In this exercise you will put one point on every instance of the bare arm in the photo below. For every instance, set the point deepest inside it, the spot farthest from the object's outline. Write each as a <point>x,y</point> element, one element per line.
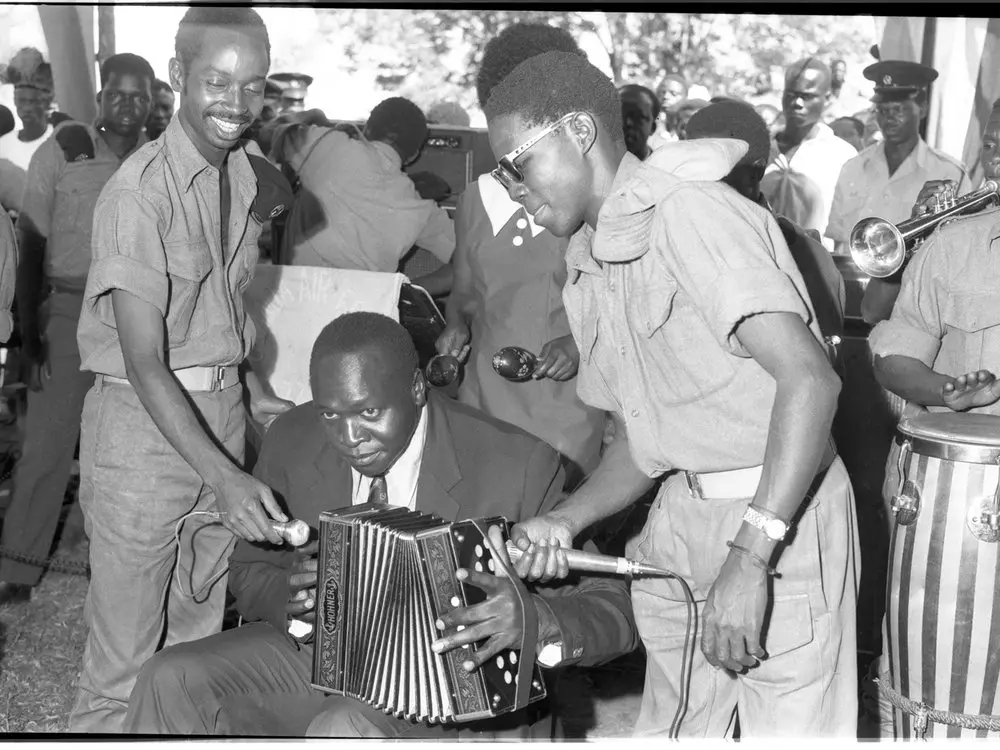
<point>239,496</point>
<point>437,283</point>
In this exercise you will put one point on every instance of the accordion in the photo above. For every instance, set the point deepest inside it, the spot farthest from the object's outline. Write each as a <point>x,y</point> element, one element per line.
<point>385,575</point>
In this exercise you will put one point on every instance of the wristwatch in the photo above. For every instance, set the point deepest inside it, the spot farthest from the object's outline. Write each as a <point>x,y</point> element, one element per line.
<point>774,528</point>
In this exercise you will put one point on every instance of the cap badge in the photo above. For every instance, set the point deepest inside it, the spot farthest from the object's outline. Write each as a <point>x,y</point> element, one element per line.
<point>277,210</point>
<point>887,80</point>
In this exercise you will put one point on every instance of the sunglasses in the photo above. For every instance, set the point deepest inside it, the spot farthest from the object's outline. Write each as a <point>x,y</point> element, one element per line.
<point>507,173</point>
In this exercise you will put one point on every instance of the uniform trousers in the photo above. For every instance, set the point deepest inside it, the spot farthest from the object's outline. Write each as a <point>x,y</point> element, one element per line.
<point>52,428</point>
<point>807,685</point>
<point>134,489</point>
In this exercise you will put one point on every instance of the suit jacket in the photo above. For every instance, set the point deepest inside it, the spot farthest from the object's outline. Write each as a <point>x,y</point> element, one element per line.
<point>472,466</point>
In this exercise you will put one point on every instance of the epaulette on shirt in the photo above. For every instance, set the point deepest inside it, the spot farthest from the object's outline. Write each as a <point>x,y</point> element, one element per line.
<point>75,141</point>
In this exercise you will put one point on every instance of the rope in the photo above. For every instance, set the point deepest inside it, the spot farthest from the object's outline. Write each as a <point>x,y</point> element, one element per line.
<point>923,714</point>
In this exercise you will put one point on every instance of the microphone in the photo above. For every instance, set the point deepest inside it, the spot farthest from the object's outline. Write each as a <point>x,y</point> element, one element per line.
<point>591,562</point>
<point>295,532</point>
<point>6,120</point>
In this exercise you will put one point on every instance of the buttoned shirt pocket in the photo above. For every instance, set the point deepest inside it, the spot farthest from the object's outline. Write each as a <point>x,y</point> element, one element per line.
<point>974,318</point>
<point>674,346</point>
<point>77,192</point>
<point>188,264</point>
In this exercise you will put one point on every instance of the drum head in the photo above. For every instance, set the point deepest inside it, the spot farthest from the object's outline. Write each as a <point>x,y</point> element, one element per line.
<point>950,427</point>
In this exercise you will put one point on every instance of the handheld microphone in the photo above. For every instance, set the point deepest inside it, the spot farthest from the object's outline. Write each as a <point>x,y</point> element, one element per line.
<point>591,562</point>
<point>295,532</point>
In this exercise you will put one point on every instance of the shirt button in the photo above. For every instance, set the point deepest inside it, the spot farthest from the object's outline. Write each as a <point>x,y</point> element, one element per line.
<point>518,241</point>
<point>623,351</point>
<point>635,412</point>
<point>611,286</point>
<point>522,223</point>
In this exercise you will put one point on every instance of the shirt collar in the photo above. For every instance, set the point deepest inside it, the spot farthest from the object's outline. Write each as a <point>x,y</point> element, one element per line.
<point>499,207</point>
<point>95,132</point>
<point>919,154</point>
<point>401,479</point>
<point>189,160</point>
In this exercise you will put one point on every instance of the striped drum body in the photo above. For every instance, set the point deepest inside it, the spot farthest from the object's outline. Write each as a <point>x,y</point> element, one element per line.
<point>943,598</point>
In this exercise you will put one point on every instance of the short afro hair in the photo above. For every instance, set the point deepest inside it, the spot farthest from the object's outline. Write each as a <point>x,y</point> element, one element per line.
<point>353,332</point>
<point>127,64</point>
<point>159,86</point>
<point>733,119</point>
<point>635,88</point>
<point>854,122</point>
<point>187,44</point>
<point>398,121</point>
<point>548,86</point>
<point>513,46</point>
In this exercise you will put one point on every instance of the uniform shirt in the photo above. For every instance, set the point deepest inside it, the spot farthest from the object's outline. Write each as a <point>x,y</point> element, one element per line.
<point>819,158</point>
<point>20,152</point>
<point>8,275</point>
<point>157,236</point>
<point>865,187</point>
<point>401,479</point>
<point>59,201</point>
<point>357,209</point>
<point>947,314</point>
<point>656,323</point>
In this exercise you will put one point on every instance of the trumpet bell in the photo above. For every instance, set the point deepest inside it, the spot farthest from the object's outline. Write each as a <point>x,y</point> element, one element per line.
<point>878,247</point>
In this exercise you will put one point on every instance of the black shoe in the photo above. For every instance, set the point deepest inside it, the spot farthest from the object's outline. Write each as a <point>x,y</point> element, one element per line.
<point>14,593</point>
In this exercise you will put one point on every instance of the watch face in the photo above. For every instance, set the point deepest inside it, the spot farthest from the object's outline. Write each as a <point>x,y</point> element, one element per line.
<point>774,529</point>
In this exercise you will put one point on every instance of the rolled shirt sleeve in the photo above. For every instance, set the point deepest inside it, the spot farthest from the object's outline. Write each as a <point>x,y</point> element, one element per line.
<point>128,254</point>
<point>916,326</point>
<point>728,263</point>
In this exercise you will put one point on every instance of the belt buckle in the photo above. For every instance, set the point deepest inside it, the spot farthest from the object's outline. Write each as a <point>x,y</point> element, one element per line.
<point>694,484</point>
<point>220,377</point>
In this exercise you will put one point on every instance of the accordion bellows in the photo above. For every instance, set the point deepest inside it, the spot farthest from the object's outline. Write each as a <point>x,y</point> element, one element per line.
<point>386,574</point>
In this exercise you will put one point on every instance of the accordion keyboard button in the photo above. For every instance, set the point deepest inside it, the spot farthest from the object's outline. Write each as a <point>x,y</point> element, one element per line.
<point>508,677</point>
<point>455,601</point>
<point>491,566</point>
<point>479,551</point>
<point>500,662</point>
<point>513,657</point>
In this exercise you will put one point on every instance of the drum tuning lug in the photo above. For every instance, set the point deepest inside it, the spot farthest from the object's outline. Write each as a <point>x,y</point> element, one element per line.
<point>906,505</point>
<point>984,521</point>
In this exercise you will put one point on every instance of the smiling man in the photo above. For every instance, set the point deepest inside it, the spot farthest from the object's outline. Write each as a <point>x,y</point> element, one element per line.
<point>165,331</point>
<point>64,181</point>
<point>373,433</point>
<point>696,333</point>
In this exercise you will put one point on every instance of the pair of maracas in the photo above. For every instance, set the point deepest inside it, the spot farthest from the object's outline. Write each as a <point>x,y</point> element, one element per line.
<point>512,362</point>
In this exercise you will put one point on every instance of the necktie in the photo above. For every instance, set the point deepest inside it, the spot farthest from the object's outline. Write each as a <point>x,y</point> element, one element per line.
<point>377,493</point>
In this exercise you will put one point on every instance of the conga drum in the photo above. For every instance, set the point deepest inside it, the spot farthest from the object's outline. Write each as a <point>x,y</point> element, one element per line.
<point>942,619</point>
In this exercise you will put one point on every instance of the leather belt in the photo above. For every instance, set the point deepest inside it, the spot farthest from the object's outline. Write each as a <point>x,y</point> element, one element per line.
<point>739,483</point>
<point>198,378</point>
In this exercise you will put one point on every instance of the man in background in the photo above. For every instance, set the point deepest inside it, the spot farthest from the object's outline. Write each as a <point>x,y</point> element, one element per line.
<point>355,207</point>
<point>849,129</point>
<point>11,175</point>
<point>33,87</point>
<point>885,179</point>
<point>800,182</point>
<point>64,181</point>
<point>161,111</point>
<point>640,111</point>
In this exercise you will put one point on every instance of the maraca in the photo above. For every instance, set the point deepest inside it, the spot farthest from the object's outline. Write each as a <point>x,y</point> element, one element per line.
<point>514,363</point>
<point>442,370</point>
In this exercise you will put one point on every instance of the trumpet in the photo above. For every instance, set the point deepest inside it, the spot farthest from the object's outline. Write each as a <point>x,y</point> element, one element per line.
<point>880,248</point>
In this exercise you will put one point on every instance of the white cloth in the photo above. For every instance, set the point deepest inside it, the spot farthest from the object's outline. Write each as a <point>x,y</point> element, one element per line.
<point>819,157</point>
<point>401,479</point>
<point>499,207</point>
<point>290,305</point>
<point>20,152</point>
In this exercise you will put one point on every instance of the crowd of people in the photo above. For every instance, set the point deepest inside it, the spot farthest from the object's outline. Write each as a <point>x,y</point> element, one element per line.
<point>669,259</point>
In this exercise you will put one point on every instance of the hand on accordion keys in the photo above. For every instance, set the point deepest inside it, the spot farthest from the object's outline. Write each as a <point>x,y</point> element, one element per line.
<point>498,618</point>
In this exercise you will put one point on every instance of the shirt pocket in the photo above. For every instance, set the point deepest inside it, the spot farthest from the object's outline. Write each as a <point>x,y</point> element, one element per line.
<point>676,355</point>
<point>973,318</point>
<point>188,265</point>
<point>73,211</point>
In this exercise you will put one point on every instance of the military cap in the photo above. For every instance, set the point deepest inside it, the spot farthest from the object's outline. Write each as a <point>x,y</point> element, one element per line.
<point>272,90</point>
<point>897,80</point>
<point>274,192</point>
<point>294,85</point>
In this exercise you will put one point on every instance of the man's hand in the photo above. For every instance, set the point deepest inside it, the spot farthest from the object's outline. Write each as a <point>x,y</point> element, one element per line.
<point>559,360</point>
<point>302,580</point>
<point>931,194</point>
<point>497,619</point>
<point>544,540</point>
<point>36,368</point>
<point>970,391</point>
<point>265,408</point>
<point>734,616</point>
<point>242,502</point>
<point>454,340</point>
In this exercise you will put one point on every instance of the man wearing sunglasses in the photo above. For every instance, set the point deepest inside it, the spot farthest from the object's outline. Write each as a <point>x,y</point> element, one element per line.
<point>696,333</point>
